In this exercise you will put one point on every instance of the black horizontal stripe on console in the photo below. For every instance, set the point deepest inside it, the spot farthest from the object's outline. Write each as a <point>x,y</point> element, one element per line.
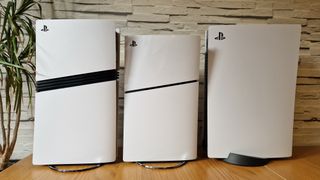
<point>77,80</point>
<point>162,86</point>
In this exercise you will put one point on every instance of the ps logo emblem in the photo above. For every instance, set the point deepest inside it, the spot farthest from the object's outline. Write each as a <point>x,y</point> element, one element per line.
<point>45,28</point>
<point>133,44</point>
<point>220,36</point>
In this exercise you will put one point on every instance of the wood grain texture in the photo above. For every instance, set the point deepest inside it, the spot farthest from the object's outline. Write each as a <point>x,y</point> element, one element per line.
<point>200,169</point>
<point>305,164</point>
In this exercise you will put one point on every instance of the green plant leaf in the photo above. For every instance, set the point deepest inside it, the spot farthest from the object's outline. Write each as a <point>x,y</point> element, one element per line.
<point>17,47</point>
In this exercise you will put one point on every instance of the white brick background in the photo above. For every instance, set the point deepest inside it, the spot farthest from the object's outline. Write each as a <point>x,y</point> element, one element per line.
<point>194,17</point>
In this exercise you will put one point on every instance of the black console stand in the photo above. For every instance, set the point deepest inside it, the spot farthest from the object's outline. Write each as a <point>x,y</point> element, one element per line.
<point>243,160</point>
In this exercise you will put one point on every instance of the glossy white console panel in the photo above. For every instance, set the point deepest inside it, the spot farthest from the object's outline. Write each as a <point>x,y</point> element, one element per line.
<point>161,97</point>
<point>75,125</point>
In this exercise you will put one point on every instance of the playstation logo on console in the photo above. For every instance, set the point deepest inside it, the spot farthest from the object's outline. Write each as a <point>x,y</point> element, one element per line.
<point>45,28</point>
<point>220,36</point>
<point>133,44</point>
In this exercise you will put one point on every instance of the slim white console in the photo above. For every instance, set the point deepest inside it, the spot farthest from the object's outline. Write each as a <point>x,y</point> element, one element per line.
<point>161,97</point>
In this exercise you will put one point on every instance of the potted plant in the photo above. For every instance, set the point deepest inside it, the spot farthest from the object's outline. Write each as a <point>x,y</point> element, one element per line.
<point>17,47</point>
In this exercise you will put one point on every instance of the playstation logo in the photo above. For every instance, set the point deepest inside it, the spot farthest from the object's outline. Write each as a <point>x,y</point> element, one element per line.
<point>133,44</point>
<point>45,28</point>
<point>220,36</point>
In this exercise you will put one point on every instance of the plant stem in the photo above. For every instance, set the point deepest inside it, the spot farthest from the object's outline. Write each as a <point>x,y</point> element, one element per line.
<point>15,132</point>
<point>4,139</point>
<point>9,124</point>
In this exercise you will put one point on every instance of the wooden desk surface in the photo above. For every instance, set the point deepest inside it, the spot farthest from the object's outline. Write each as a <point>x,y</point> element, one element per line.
<point>304,165</point>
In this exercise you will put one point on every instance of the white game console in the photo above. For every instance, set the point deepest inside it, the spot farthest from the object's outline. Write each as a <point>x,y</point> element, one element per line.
<point>161,97</point>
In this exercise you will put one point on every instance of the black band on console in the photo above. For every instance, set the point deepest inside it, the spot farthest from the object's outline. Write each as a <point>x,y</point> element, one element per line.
<point>77,80</point>
<point>161,86</point>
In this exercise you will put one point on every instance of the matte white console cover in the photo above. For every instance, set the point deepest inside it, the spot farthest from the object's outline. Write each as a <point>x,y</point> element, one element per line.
<point>252,72</point>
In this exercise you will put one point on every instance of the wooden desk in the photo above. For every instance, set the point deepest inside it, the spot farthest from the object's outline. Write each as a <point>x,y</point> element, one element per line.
<point>304,165</point>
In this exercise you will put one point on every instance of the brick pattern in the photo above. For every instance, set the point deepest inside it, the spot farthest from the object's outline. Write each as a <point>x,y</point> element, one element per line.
<point>194,17</point>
